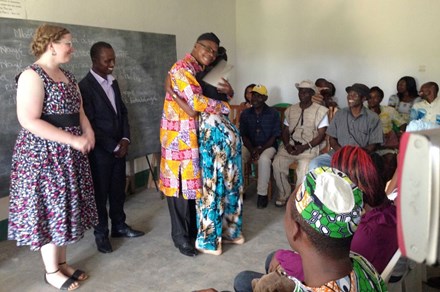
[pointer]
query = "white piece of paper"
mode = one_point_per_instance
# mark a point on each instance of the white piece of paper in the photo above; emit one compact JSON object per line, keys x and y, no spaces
{"x":12,"y":8}
{"x":221,"y":70}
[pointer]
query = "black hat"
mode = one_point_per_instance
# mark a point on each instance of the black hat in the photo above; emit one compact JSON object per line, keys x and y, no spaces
{"x":360,"y":88}
{"x":209,"y":36}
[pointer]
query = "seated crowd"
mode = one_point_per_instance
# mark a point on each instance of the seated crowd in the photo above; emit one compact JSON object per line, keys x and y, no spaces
{"x":339,"y":221}
{"x":315,"y":127}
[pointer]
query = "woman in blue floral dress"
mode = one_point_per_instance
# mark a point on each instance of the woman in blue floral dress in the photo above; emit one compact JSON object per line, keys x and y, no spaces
{"x":219,"y":211}
{"x":51,"y":191}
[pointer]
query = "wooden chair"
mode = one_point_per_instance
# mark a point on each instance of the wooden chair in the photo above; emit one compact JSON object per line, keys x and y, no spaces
{"x":234,"y":114}
{"x":250,"y":172}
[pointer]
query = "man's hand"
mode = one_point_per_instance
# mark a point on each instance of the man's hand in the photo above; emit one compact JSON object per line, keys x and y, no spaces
{"x":123,"y":148}
{"x":255,"y":153}
{"x":290,"y":149}
{"x":300,"y":149}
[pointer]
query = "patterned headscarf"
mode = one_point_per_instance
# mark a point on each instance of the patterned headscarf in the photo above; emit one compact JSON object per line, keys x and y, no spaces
{"x":330,"y":202}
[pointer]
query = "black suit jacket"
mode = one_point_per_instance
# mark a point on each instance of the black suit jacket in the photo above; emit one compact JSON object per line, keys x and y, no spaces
{"x":110,"y":127}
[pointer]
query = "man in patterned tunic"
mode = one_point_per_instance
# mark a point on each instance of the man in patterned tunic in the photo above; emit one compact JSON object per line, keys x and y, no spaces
{"x":180,"y":175}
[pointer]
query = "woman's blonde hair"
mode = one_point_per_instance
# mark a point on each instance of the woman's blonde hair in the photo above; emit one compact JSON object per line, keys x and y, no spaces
{"x":44,"y":35}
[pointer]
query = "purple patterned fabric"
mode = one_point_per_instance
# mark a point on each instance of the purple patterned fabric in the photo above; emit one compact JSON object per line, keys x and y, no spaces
{"x":51,"y":191}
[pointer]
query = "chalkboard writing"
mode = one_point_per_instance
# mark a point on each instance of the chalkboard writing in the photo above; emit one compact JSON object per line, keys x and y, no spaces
{"x":142,"y":62}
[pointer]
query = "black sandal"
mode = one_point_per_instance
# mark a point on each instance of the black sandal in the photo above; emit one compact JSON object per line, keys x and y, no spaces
{"x":77,"y":274}
{"x":66,"y":284}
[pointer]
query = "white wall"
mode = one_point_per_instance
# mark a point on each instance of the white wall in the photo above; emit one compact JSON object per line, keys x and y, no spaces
{"x":186,"y":19}
{"x":280,"y":42}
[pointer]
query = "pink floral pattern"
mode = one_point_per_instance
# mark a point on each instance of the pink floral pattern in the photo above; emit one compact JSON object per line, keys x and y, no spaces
{"x":51,"y":191}
{"x":178,"y":132}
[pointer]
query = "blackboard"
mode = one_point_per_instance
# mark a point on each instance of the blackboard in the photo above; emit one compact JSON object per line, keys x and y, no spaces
{"x":142,"y":62}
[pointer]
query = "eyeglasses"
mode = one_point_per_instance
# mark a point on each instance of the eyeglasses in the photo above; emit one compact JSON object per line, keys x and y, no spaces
{"x":69,"y":43}
{"x":209,"y":49}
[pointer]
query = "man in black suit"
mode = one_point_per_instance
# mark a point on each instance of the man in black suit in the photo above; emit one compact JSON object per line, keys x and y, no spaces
{"x":108,"y":115}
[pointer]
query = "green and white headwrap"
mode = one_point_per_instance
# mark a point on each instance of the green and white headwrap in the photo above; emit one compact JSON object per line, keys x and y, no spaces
{"x":330,"y":202}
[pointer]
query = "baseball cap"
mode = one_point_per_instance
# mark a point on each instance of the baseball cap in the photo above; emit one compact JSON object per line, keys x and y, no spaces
{"x":330,"y":202}
{"x":261,"y":89}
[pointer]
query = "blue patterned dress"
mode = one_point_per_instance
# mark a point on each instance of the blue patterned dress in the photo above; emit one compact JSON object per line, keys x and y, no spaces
{"x":219,"y":211}
{"x":51,"y":191}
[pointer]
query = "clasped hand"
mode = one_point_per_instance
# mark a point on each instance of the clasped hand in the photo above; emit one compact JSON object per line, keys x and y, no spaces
{"x":255,"y":153}
{"x":296,"y":150}
{"x":84,"y":143}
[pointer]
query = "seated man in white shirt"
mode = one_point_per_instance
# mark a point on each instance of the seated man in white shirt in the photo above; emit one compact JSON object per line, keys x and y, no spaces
{"x":303,"y":131}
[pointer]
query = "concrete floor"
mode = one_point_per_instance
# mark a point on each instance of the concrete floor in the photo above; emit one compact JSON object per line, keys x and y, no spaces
{"x":151,"y":262}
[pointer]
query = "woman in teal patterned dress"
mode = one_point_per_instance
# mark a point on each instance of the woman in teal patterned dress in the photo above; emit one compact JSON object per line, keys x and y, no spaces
{"x":51,"y":191}
{"x":219,"y":211}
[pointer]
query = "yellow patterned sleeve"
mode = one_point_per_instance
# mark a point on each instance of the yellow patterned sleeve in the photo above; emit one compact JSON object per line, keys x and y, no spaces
{"x":189,"y":89}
